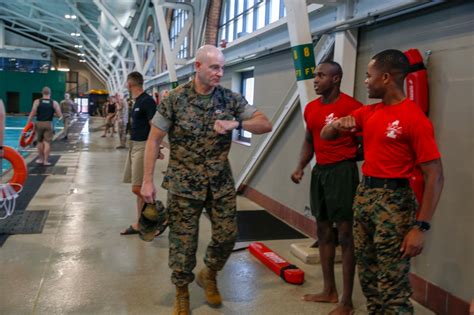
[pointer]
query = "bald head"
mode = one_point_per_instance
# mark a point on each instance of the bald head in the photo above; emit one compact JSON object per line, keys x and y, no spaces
{"x":208,"y":52}
{"x":333,"y":67}
{"x":209,"y":66}
{"x":46,"y":91}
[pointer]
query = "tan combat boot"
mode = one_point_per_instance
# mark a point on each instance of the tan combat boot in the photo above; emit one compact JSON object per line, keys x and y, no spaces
{"x":206,"y":279}
{"x":181,"y":305}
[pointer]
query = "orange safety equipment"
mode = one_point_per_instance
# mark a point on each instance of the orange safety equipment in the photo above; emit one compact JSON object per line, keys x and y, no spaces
{"x":20,"y":171}
{"x":416,"y":84}
{"x":27,"y":135}
{"x":288,"y":272}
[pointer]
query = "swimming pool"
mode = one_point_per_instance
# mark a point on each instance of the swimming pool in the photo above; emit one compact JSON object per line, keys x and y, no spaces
{"x":13,"y":127}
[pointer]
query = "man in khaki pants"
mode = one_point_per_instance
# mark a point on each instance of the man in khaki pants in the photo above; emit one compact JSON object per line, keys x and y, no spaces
{"x":44,"y":109}
{"x":143,"y":111}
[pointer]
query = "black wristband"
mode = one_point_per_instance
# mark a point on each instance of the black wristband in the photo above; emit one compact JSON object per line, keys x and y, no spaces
{"x":240,"y":123}
{"x":422,"y":225}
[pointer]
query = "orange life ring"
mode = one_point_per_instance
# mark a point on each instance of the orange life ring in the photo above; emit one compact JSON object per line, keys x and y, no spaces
{"x":20,"y":171}
{"x":27,"y":135}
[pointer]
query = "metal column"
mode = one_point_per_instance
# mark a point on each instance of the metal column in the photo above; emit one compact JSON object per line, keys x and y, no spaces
{"x":302,"y":49}
{"x":345,"y":48}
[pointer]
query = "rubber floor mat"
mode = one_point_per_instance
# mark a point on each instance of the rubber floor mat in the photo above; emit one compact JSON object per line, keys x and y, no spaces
{"x":48,"y":170}
{"x":30,"y":187}
{"x":53,"y":159}
{"x":3,"y":239}
{"x":259,"y":225}
{"x":28,"y":222}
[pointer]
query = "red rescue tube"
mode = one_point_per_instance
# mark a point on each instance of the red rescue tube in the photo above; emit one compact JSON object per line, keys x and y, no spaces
{"x":417,"y":90}
{"x":416,"y":81}
{"x":288,"y":272}
{"x":27,"y":135}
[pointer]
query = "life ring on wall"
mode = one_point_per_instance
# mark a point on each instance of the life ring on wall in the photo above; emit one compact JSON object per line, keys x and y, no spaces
{"x":20,"y":171}
{"x":416,"y":84}
{"x":27,"y":135}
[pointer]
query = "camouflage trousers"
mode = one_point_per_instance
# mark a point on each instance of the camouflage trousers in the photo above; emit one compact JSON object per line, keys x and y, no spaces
{"x":382,"y":218}
{"x":183,"y":217}
{"x":122,"y":132}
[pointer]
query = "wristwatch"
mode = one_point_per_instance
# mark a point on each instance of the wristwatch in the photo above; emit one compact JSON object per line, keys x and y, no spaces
{"x":240,"y":123}
{"x":423,"y":226}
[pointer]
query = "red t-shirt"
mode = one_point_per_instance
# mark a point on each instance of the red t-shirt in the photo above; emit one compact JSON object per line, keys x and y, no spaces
{"x":396,"y":138}
{"x":317,"y":115}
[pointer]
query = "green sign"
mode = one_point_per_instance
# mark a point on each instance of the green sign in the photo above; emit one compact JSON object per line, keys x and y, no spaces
{"x":174,"y":84}
{"x":303,"y":57}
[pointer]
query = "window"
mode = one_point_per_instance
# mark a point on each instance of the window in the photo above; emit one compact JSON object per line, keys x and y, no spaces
{"x":240,"y":17}
{"x":247,"y":90}
{"x":82,"y":104}
{"x":177,"y":24}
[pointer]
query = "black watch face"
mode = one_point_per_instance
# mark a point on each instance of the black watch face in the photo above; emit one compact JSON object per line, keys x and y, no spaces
{"x":424,"y":226}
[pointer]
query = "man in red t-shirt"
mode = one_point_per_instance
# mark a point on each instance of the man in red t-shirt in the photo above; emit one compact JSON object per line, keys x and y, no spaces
{"x":334,"y":180}
{"x":397,"y":136}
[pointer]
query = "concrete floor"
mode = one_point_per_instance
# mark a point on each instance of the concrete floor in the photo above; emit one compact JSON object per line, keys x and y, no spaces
{"x":81,"y":265}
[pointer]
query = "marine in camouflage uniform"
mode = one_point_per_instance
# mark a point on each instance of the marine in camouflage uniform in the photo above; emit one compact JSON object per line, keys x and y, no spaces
{"x":397,"y":137}
{"x":382,"y":218}
{"x":199,"y":174}
{"x":199,"y":117}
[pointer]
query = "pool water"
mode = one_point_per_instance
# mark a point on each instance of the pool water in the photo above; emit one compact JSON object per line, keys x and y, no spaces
{"x":13,"y":127}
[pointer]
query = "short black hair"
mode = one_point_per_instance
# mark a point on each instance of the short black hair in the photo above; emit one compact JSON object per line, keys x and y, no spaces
{"x":392,"y":61}
{"x":336,"y":67}
{"x":135,"y":78}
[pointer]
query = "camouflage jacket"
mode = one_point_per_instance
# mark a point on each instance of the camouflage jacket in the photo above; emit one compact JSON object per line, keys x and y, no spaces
{"x":198,"y":155}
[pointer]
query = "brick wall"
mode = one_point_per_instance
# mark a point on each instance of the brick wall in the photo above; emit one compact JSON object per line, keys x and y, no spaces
{"x":212,"y":23}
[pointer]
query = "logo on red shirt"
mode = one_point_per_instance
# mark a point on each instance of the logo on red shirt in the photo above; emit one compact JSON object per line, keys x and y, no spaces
{"x":393,"y":129}
{"x":329,"y":119}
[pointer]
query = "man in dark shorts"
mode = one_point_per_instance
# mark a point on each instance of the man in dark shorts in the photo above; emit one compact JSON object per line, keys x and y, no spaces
{"x":397,"y":137}
{"x":44,"y":110}
{"x":334,"y":180}
{"x":143,"y":111}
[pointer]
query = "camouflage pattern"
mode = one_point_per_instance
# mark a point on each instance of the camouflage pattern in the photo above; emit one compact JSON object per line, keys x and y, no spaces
{"x":183,"y":215}
{"x":198,"y":155}
{"x":152,"y":220}
{"x":122,"y":132}
{"x":382,"y":218}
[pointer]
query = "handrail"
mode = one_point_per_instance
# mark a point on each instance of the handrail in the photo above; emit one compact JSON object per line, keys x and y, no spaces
{"x":279,"y":120}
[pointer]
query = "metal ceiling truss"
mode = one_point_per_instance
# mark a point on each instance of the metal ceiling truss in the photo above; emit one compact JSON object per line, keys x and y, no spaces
{"x":115,"y":81}
{"x":58,"y":46}
{"x":54,"y":38}
{"x":31,"y":19}
{"x":274,"y":37}
{"x":123,"y":31}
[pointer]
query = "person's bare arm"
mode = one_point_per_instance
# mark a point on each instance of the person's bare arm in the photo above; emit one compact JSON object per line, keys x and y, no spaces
{"x":33,"y":111}
{"x":307,"y":152}
{"x":57,"y":110}
{"x":257,"y":124}
{"x":334,"y":130}
{"x":152,"y":152}
{"x":434,"y":180}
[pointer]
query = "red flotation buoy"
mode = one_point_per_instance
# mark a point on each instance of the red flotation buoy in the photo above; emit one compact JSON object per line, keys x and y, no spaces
{"x":288,"y":272}
{"x":416,"y":84}
{"x":27,"y":135}
{"x":20,"y":171}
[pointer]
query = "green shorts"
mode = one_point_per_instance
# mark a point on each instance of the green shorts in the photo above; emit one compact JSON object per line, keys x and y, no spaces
{"x":333,"y":189}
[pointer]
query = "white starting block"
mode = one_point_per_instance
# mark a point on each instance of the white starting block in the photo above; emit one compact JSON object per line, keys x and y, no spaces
{"x":310,"y":255}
